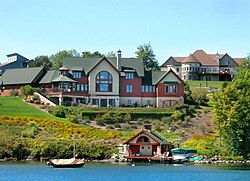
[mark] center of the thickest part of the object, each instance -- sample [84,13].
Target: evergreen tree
[145,52]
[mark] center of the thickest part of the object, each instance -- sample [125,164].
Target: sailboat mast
[74,147]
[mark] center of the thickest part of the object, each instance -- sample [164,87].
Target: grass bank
[211,84]
[14,106]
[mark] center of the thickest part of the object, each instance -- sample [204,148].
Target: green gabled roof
[151,134]
[49,76]
[62,78]
[20,75]
[156,137]
[157,75]
[79,63]
[153,77]
[135,63]
[86,64]
[183,150]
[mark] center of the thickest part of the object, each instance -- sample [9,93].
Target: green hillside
[14,106]
[211,84]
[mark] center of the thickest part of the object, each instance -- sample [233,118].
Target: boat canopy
[183,150]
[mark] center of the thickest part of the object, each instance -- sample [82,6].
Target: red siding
[134,149]
[161,91]
[148,94]
[135,82]
[83,80]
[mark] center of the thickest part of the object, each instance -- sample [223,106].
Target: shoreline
[202,162]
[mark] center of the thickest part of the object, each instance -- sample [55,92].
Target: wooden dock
[160,159]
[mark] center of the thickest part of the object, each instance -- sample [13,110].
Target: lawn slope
[14,106]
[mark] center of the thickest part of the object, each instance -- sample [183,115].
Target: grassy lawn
[212,84]
[14,106]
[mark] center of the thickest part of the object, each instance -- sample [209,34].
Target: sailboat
[67,163]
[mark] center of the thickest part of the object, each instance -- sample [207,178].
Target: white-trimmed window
[82,87]
[77,75]
[129,75]
[104,81]
[129,88]
[142,88]
[171,89]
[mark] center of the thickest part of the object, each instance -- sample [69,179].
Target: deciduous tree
[56,59]
[232,112]
[95,54]
[41,61]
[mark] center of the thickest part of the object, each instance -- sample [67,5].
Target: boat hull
[66,163]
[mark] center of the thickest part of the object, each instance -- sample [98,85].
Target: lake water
[108,171]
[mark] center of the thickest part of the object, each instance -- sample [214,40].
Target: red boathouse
[147,145]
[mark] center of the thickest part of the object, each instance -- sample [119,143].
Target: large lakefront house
[100,82]
[202,66]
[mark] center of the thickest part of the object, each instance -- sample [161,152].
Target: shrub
[177,115]
[202,128]
[157,127]
[73,118]
[85,118]
[200,96]
[27,91]
[167,120]
[140,121]
[127,117]
[31,130]
[109,127]
[37,102]
[133,126]
[126,127]
[100,122]
[59,111]
[13,92]
[117,125]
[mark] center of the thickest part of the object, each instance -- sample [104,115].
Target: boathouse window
[143,139]
[104,81]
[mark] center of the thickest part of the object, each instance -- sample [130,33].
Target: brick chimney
[119,57]
[148,127]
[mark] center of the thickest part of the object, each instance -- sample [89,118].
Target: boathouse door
[146,150]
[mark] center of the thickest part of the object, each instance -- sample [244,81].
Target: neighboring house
[14,61]
[147,145]
[202,66]
[106,82]
[16,78]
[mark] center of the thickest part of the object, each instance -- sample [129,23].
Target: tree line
[54,61]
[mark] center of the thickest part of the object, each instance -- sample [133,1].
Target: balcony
[66,92]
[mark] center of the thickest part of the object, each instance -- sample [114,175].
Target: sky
[172,27]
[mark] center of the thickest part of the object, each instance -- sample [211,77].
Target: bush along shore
[30,138]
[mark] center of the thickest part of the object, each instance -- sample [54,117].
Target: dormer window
[104,81]
[129,75]
[77,75]
[143,139]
